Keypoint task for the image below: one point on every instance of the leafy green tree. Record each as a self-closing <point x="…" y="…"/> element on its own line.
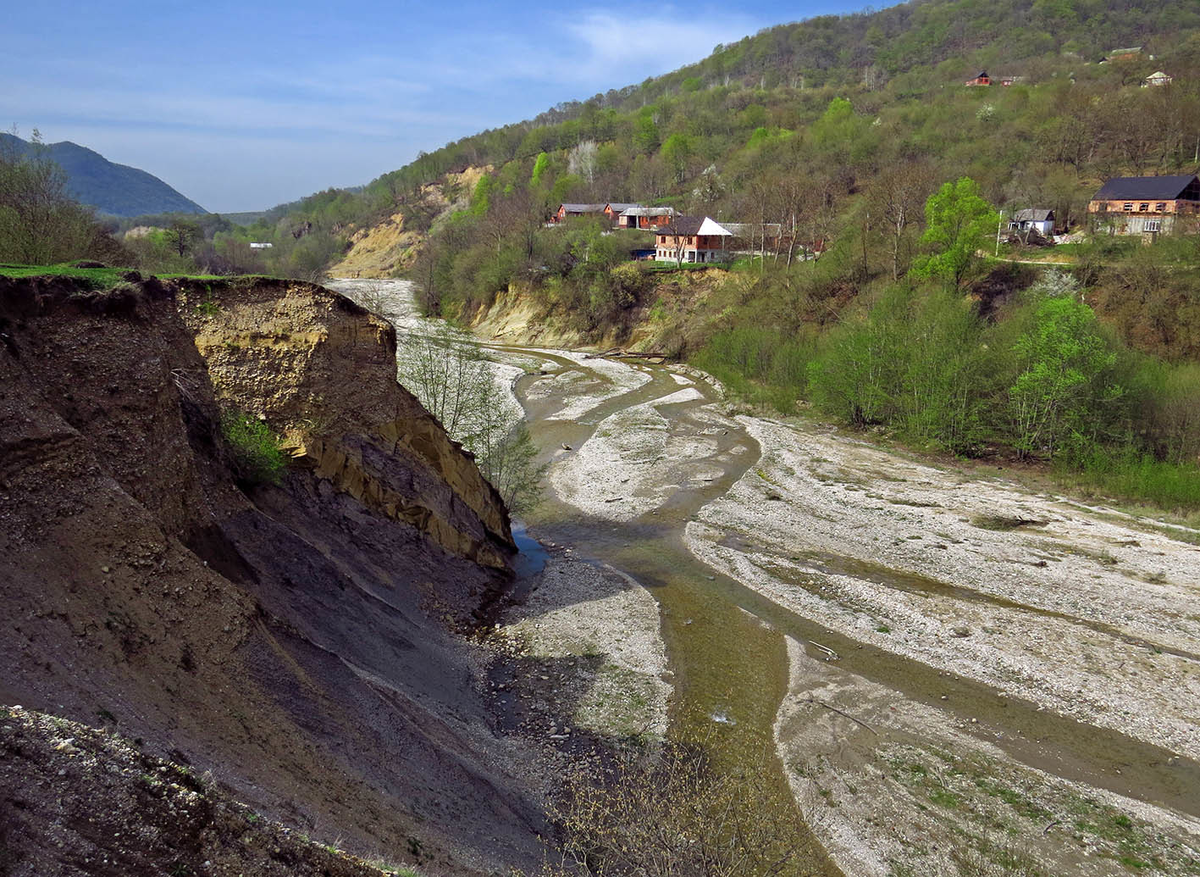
<point x="1064" y="396"/>
<point x="958" y="221"/>
<point x="677" y="151"/>
<point x="540" y="165"/>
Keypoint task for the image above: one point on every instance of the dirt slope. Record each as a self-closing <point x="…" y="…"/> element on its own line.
<point x="282" y="640"/>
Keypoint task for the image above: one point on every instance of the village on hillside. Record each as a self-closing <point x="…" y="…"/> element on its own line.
<point x="1145" y="207"/>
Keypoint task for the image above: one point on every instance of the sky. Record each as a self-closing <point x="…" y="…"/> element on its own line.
<point x="242" y="106"/>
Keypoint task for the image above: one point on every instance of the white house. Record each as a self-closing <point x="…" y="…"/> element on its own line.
<point x="1035" y="218"/>
<point x="1157" y="78"/>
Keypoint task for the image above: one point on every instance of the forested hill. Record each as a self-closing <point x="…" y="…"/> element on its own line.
<point x="111" y="188"/>
<point x="759" y="103"/>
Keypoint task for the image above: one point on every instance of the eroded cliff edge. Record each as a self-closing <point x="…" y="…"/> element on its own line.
<point x="290" y="640"/>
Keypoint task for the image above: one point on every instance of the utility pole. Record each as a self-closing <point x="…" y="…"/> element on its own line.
<point x="999" y="225"/>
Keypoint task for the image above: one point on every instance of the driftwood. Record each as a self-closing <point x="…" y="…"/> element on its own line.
<point x="830" y="654"/>
<point x="845" y="714"/>
<point x="625" y="354"/>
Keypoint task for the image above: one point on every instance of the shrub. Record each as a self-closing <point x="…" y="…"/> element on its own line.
<point x="254" y="449"/>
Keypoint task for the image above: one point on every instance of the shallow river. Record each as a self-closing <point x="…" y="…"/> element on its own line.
<point x="726" y="642"/>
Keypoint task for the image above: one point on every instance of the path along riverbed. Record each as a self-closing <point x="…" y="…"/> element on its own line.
<point x="957" y="675"/>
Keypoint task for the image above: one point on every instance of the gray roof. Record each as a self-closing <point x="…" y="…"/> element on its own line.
<point x="1149" y="188"/>
<point x="583" y="208"/>
<point x="1033" y="214"/>
<point x="619" y="207"/>
<point x="648" y="211"/>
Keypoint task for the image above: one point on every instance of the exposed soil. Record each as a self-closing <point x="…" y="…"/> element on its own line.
<point x="80" y="801"/>
<point x="298" y="640"/>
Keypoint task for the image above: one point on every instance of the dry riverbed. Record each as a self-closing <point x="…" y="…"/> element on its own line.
<point x="974" y="617"/>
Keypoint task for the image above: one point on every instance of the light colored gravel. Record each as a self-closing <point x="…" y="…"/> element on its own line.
<point x="592" y="611"/>
<point x="1025" y="597"/>
<point x="891" y="786"/>
<point x="637" y="459"/>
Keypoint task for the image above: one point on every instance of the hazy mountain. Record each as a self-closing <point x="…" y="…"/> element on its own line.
<point x="109" y="187"/>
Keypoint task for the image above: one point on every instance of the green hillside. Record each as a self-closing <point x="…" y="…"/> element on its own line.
<point x="840" y="129"/>
<point x="111" y="188"/>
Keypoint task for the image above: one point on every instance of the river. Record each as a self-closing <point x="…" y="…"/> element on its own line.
<point x="940" y="692"/>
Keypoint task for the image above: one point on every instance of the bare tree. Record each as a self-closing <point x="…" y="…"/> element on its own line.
<point x="582" y="160"/>
<point x="899" y="198"/>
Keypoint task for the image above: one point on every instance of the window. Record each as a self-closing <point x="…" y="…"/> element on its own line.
<point x="1129" y="207"/>
<point x="1142" y="208"/>
<point x="1153" y="225"/>
<point x="1160" y="206"/>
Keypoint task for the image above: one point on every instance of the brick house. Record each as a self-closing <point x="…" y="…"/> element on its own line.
<point x="692" y="239"/>
<point x="645" y="217"/>
<point x="614" y="209"/>
<point x="1146" y="205"/>
<point x="566" y="211"/>
<point x="981" y="78"/>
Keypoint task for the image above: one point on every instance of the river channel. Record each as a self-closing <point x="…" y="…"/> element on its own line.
<point x="728" y="643"/>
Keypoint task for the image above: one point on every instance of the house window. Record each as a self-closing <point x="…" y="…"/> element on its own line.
<point x="1160" y="206"/>
<point x="1153" y="225"/>
<point x="1129" y="207"/>
<point x="1142" y="208"/>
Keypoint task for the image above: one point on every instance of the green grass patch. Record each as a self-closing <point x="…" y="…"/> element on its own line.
<point x="1141" y="478"/>
<point x="254" y="449"/>
<point x="96" y="278"/>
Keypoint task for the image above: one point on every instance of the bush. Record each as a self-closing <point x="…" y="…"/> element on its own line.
<point x="254" y="449"/>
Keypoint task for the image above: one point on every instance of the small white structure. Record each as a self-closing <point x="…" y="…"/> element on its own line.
<point x="255" y="245"/>
<point x="1156" y="79"/>
<point x="1035" y="218"/>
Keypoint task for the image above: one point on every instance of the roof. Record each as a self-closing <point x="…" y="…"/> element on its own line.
<point x="1033" y="214"/>
<point x="690" y="225"/>
<point x="648" y="211"/>
<point x="582" y="208"/>
<point x="1132" y="50"/>
<point x="1147" y="188"/>
<point x="982" y="74"/>
<point x="619" y="207"/>
<point x="1158" y="74"/>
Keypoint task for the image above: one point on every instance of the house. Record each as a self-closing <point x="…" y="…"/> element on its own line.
<point x="1147" y="205"/>
<point x="566" y="211"/>
<point x="1035" y="218"/>
<point x="256" y="245"/>
<point x="645" y="217"/>
<point x="1156" y="79"/>
<point x="981" y="78"/>
<point x="1128" y="54"/>
<point x="613" y="210"/>
<point x="692" y="239"/>
<point x="1006" y="81"/>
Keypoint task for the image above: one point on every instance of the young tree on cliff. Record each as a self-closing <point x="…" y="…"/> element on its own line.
<point x="958" y="221"/>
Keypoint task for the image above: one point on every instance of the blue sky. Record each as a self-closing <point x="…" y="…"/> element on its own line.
<point x="244" y="105"/>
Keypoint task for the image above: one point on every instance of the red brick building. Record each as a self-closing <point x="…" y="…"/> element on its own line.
<point x="1147" y="205"/>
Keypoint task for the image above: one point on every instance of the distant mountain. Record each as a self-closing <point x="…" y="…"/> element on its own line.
<point x="111" y="188"/>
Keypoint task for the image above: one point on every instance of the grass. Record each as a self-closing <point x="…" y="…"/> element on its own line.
<point x="257" y="457"/>
<point x="98" y="278"/>
<point x="1170" y="486"/>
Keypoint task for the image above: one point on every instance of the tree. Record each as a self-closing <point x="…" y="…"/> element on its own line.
<point x="582" y="161"/>
<point x="958" y="221"/>
<point x="897" y="195"/>
<point x="182" y="235"/>
<point x="41" y="224"/>
<point x="1063" y="395"/>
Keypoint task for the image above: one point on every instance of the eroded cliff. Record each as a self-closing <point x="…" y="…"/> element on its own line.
<point x="290" y="640"/>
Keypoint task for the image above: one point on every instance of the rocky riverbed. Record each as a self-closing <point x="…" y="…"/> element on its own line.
<point x="960" y="674"/>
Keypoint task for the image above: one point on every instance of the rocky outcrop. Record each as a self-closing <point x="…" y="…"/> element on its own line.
<point x="290" y="639"/>
<point x="321" y="369"/>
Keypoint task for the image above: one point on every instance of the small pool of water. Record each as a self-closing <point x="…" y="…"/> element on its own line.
<point x="532" y="557"/>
